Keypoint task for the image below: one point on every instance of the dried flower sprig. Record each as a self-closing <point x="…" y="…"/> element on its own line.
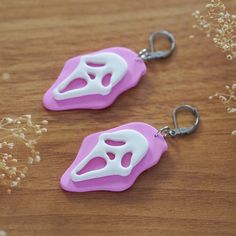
<point x="219" y="25"/>
<point x="228" y="99"/>
<point x="20" y="130"/>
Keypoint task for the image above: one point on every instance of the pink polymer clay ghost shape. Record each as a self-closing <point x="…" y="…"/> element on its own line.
<point x="112" y="160"/>
<point x="95" y="80"/>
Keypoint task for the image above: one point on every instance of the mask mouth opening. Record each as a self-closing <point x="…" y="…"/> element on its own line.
<point x="96" y="163"/>
<point x="75" y="84"/>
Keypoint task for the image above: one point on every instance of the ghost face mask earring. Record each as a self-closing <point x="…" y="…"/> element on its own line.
<point x="112" y="160"/>
<point x="95" y="80"/>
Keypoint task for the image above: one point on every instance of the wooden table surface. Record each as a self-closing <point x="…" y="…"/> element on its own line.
<point x="191" y="191"/>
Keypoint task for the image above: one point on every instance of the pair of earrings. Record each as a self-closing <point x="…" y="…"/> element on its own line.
<point x="111" y="160"/>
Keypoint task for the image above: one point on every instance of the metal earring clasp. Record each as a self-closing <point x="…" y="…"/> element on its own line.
<point x="150" y="54"/>
<point x="167" y="131"/>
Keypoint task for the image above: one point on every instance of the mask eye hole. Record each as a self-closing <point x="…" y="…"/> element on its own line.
<point x="126" y="159"/>
<point x="111" y="155"/>
<point x="91" y="64"/>
<point x="75" y="84"/>
<point x="94" y="164"/>
<point x="114" y="143"/>
<point x="106" y="80"/>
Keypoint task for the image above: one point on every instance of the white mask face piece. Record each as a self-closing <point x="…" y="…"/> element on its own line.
<point x="94" y="70"/>
<point x="120" y="144"/>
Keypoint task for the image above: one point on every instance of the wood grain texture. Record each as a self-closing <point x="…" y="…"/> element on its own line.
<point x="191" y="191"/>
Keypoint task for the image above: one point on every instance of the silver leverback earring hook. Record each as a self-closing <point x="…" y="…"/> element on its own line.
<point x="150" y="54"/>
<point x="185" y="130"/>
<point x="167" y="131"/>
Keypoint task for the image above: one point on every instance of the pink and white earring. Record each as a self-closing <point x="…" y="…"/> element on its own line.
<point x="95" y="80"/>
<point x="112" y="160"/>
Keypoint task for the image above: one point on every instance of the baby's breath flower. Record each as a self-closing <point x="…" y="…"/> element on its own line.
<point x="10" y="145"/>
<point x="44" y="130"/>
<point x="22" y="175"/>
<point x="30" y="160"/>
<point x="37" y="158"/>
<point x="44" y="122"/>
<point x="13" y="184"/>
